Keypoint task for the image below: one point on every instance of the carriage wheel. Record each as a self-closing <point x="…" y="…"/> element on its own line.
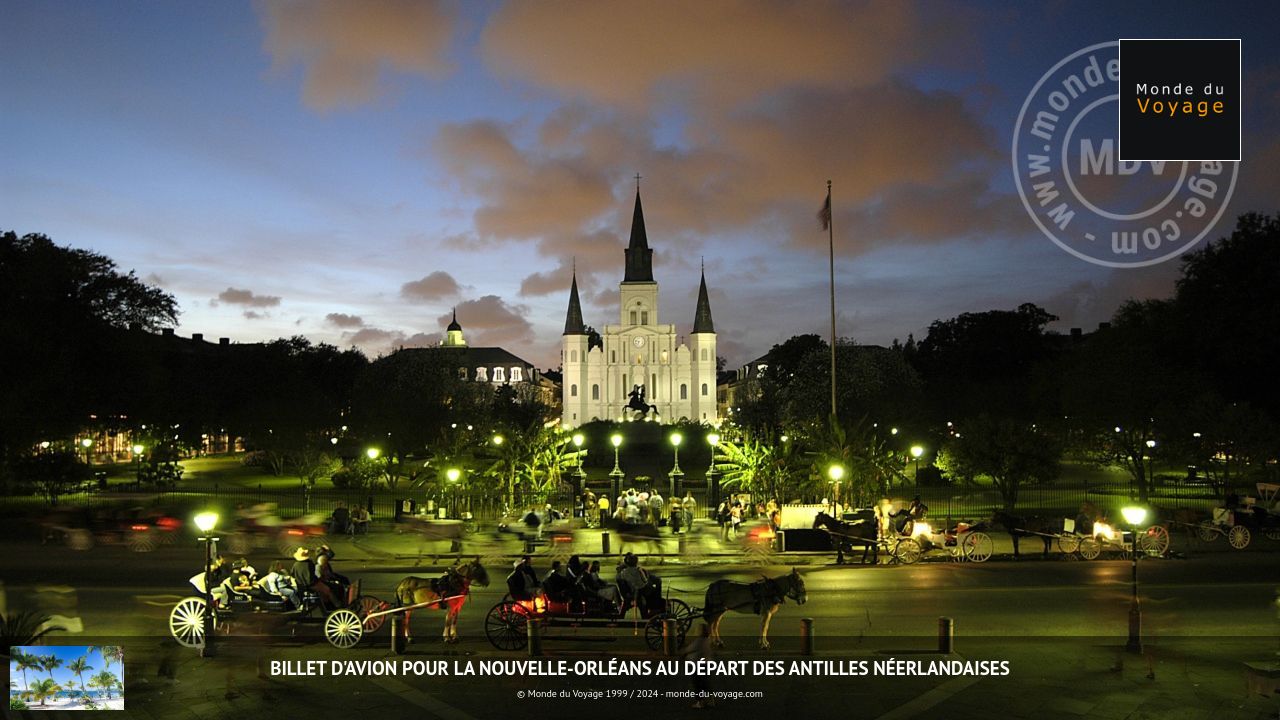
<point x="186" y="622"/>
<point x="1207" y="532"/>
<point x="978" y="547"/>
<point x="1239" y="537"/>
<point x="908" y="551"/>
<point x="1272" y="533"/>
<point x="505" y="626"/>
<point x="288" y="544"/>
<point x="681" y="611"/>
<point x="141" y="541"/>
<point x="240" y="543"/>
<point x="343" y="628"/>
<point x="1069" y="544"/>
<point x="653" y="630"/>
<point x="366" y="604"/>
<point x="1155" y="541"/>
<point x="1090" y="548"/>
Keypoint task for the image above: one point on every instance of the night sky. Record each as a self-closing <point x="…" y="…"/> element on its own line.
<point x="350" y="171"/>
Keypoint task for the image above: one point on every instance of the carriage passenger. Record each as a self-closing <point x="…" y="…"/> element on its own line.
<point x="304" y="575"/>
<point x="523" y="583"/>
<point x="638" y="585"/>
<point x="594" y="583"/>
<point x="278" y="583"/>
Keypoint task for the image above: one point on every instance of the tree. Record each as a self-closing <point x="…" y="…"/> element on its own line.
<point x="105" y="680"/>
<point x="44" y="689"/>
<point x="24" y="661"/>
<point x="1009" y="452"/>
<point x="110" y="654"/>
<point x="52" y="472"/>
<point x="870" y="464"/>
<point x="58" y="307"/>
<point x="49" y="663"/>
<point x="871" y="381"/>
<point x="1227" y="302"/>
<point x="984" y="362"/>
<point x="80" y="666"/>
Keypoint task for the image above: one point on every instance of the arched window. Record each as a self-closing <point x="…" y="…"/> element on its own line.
<point x="573" y="391"/>
<point x="644" y="317"/>
<point x="462" y="373"/>
<point x="595" y="392"/>
<point x="654" y="384"/>
<point x="499" y="375"/>
<point x="684" y="391"/>
<point x="704" y="354"/>
<point x="633" y="317"/>
<point x="573" y="356"/>
<point x="516" y="374"/>
<point x="704" y="389"/>
<point x="613" y="356"/>
<point x="482" y="374"/>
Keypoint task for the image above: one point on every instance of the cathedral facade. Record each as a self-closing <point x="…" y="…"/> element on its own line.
<point x="639" y="361"/>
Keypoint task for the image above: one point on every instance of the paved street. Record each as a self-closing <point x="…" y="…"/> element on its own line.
<point x="1059" y="622"/>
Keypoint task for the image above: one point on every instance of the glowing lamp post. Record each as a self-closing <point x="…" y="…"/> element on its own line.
<point x="712" y="484"/>
<point x="1151" y="461"/>
<point x="498" y="440"/>
<point x="676" y="474"/>
<point x="206" y="522"/>
<point x="916" y="452"/>
<point x="1135" y="516"/>
<point x="87" y="444"/>
<point x="578" y="474"/>
<point x="453" y="474"/>
<point x="615" y="475"/>
<point x="836" y="473"/>
<point x="372" y="453"/>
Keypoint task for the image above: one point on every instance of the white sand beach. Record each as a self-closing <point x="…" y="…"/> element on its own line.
<point x="75" y="704"/>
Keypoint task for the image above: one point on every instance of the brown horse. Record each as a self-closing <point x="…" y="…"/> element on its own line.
<point x="443" y="593"/>
<point x="762" y="597"/>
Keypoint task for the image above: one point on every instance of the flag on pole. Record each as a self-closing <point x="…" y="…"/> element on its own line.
<point x="824" y="215"/>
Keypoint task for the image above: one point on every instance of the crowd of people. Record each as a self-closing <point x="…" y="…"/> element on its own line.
<point x="577" y="581"/>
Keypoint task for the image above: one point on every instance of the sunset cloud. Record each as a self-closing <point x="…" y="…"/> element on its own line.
<point x="345" y="47"/>
<point x="434" y="286"/>
<point x="232" y="296"/>
<point x="343" y="320"/>
<point x="490" y="320"/>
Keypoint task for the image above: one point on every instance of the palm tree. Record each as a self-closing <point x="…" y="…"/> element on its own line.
<point x="24" y="628"/>
<point x="44" y="689"/>
<point x="104" y="680"/>
<point x="110" y="654"/>
<point x="79" y="666"/>
<point x="49" y="663"/>
<point x="24" y="662"/>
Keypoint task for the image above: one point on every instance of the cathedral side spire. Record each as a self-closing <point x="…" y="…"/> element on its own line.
<point x="702" y="317"/>
<point x="573" y="324"/>
<point x="639" y="255"/>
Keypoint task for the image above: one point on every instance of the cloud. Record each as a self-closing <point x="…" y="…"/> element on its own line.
<point x="232" y="296"/>
<point x="722" y="52"/>
<point x="490" y="320"/>
<point x="344" y="46"/>
<point x="253" y="315"/>
<point x="343" y="320"/>
<point x="380" y="341"/>
<point x="435" y="286"/>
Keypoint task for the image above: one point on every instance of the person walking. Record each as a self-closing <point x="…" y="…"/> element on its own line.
<point x="690" y="509"/>
<point x="603" y="505"/>
<point x="657" y="506"/>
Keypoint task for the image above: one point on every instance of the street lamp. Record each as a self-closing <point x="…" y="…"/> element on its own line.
<point x="453" y="474"/>
<point x="137" y="463"/>
<point x="206" y="522"/>
<point x="497" y="439"/>
<point x="916" y="452"/>
<point x="676" y="474"/>
<point x="372" y="453"/>
<point x="714" y="441"/>
<point x="1151" y="462"/>
<point x="86" y="444"/>
<point x="1135" y="516"/>
<point x="615" y="475"/>
<point x="836" y="473"/>
<point x="578" y="475"/>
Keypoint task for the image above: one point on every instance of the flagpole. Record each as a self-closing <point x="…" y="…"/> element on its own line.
<point x="831" y="257"/>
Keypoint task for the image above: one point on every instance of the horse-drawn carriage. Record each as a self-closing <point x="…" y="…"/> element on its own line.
<point x="343" y="627"/>
<point x="506" y="625"/>
<point x="908" y="540"/>
<point x="1087" y="536"/>
<point x="1238" y="520"/>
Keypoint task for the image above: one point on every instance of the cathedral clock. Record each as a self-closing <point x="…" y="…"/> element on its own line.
<point x="638" y="341"/>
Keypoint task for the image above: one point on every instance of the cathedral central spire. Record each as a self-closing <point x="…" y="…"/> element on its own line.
<point x="639" y="255"/>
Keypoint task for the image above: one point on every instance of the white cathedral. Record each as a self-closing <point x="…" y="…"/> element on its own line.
<point x="640" y="358"/>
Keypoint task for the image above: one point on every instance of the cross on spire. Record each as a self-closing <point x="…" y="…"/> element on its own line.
<point x="638" y="182"/>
